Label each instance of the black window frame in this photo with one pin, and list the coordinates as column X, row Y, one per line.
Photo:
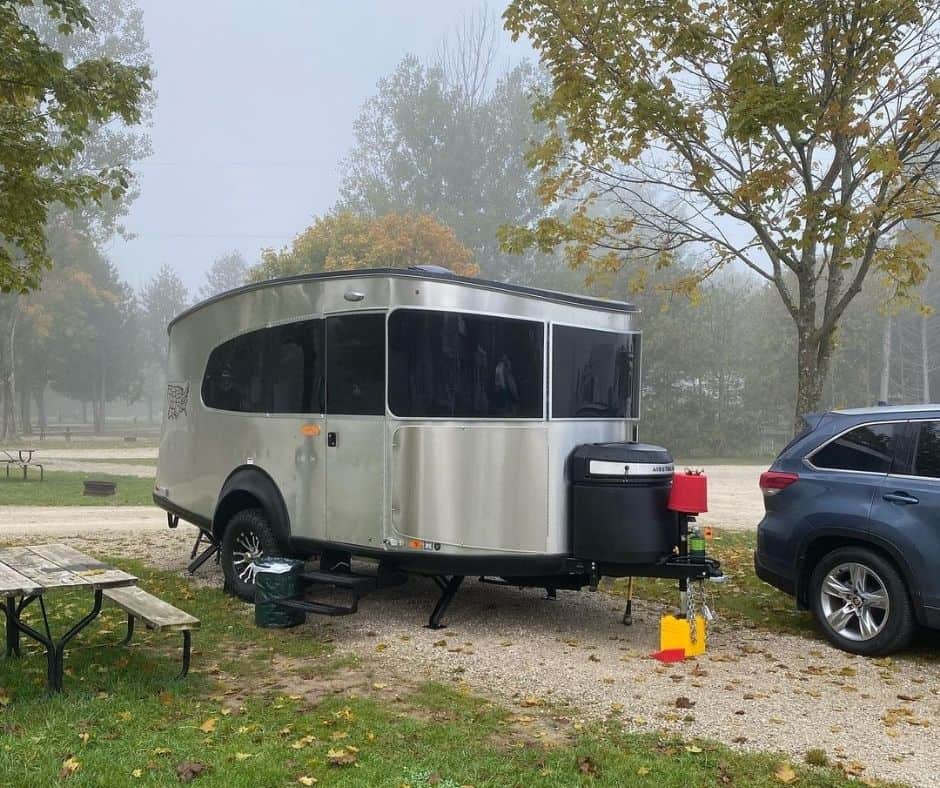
column 637, row 382
column 900, row 450
column 543, row 327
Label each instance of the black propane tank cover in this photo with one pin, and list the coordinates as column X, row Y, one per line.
column 618, row 504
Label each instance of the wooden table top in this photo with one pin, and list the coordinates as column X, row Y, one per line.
column 39, row 568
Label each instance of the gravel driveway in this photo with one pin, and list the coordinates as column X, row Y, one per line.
column 753, row 690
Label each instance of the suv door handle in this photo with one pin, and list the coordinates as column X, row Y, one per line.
column 901, row 498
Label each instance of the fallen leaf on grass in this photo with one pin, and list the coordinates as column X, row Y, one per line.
column 694, row 749
column 189, row 771
column 242, row 756
column 209, row 725
column 137, row 773
column 587, row 766
column 784, row 774
column 307, row 780
column 84, row 737
column 531, row 700
column 343, row 756
column 69, row 767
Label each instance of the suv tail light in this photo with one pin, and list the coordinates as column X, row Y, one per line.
column 772, row 482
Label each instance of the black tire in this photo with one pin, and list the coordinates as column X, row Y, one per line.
column 245, row 530
column 877, row 621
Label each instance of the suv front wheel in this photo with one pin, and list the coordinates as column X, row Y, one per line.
column 860, row 602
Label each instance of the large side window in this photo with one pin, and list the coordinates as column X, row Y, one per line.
column 927, row 458
column 870, row 448
column 595, row 374
column 272, row 370
column 355, row 364
column 296, row 366
column 234, row 378
column 460, row 365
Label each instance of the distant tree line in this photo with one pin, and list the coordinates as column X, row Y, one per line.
column 446, row 154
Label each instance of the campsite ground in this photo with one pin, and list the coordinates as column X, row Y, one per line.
column 564, row 677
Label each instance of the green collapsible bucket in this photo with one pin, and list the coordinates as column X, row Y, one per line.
column 276, row 579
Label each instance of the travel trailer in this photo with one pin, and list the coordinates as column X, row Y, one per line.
column 426, row 422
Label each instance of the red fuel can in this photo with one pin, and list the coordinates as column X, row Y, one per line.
column 689, row 493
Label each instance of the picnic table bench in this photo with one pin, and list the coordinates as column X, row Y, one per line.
column 28, row 574
column 158, row 615
column 24, row 460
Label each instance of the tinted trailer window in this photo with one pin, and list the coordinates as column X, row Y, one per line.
column 459, row 365
column 595, row 374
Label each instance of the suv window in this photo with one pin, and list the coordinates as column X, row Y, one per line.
column 869, row 448
column 927, row 458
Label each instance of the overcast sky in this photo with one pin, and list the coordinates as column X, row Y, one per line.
column 254, row 114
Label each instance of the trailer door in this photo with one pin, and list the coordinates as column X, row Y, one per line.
column 355, row 423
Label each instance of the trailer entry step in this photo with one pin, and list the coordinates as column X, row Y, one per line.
column 320, row 608
column 359, row 583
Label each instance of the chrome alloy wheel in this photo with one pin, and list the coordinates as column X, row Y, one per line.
column 854, row 601
column 247, row 551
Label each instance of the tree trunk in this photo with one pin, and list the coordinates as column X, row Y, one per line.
column 924, row 360
column 813, row 356
column 40, row 395
column 9, row 384
column 26, row 420
column 885, row 361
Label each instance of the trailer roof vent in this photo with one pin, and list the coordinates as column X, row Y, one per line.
column 436, row 270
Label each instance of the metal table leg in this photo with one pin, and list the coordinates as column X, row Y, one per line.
column 55, row 650
column 13, row 634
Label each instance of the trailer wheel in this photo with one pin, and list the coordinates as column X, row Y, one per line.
column 247, row 537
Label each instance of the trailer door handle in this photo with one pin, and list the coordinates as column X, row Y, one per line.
column 331, row 439
column 901, row 498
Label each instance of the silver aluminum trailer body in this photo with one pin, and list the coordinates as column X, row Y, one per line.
column 445, row 492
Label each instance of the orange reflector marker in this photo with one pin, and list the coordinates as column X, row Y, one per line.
column 310, row 430
column 416, row 544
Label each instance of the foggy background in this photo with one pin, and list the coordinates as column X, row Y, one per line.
column 303, row 136
column 254, row 113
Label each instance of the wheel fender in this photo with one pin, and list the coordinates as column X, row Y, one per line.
column 250, row 486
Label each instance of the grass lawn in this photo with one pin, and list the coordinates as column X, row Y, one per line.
column 64, row 488
column 270, row 708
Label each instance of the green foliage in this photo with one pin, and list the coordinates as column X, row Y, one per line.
column 49, row 109
column 812, row 127
column 344, row 241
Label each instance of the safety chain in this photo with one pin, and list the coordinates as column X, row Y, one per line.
column 697, row 599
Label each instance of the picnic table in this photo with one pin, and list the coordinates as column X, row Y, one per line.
column 29, row 574
column 24, row 460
